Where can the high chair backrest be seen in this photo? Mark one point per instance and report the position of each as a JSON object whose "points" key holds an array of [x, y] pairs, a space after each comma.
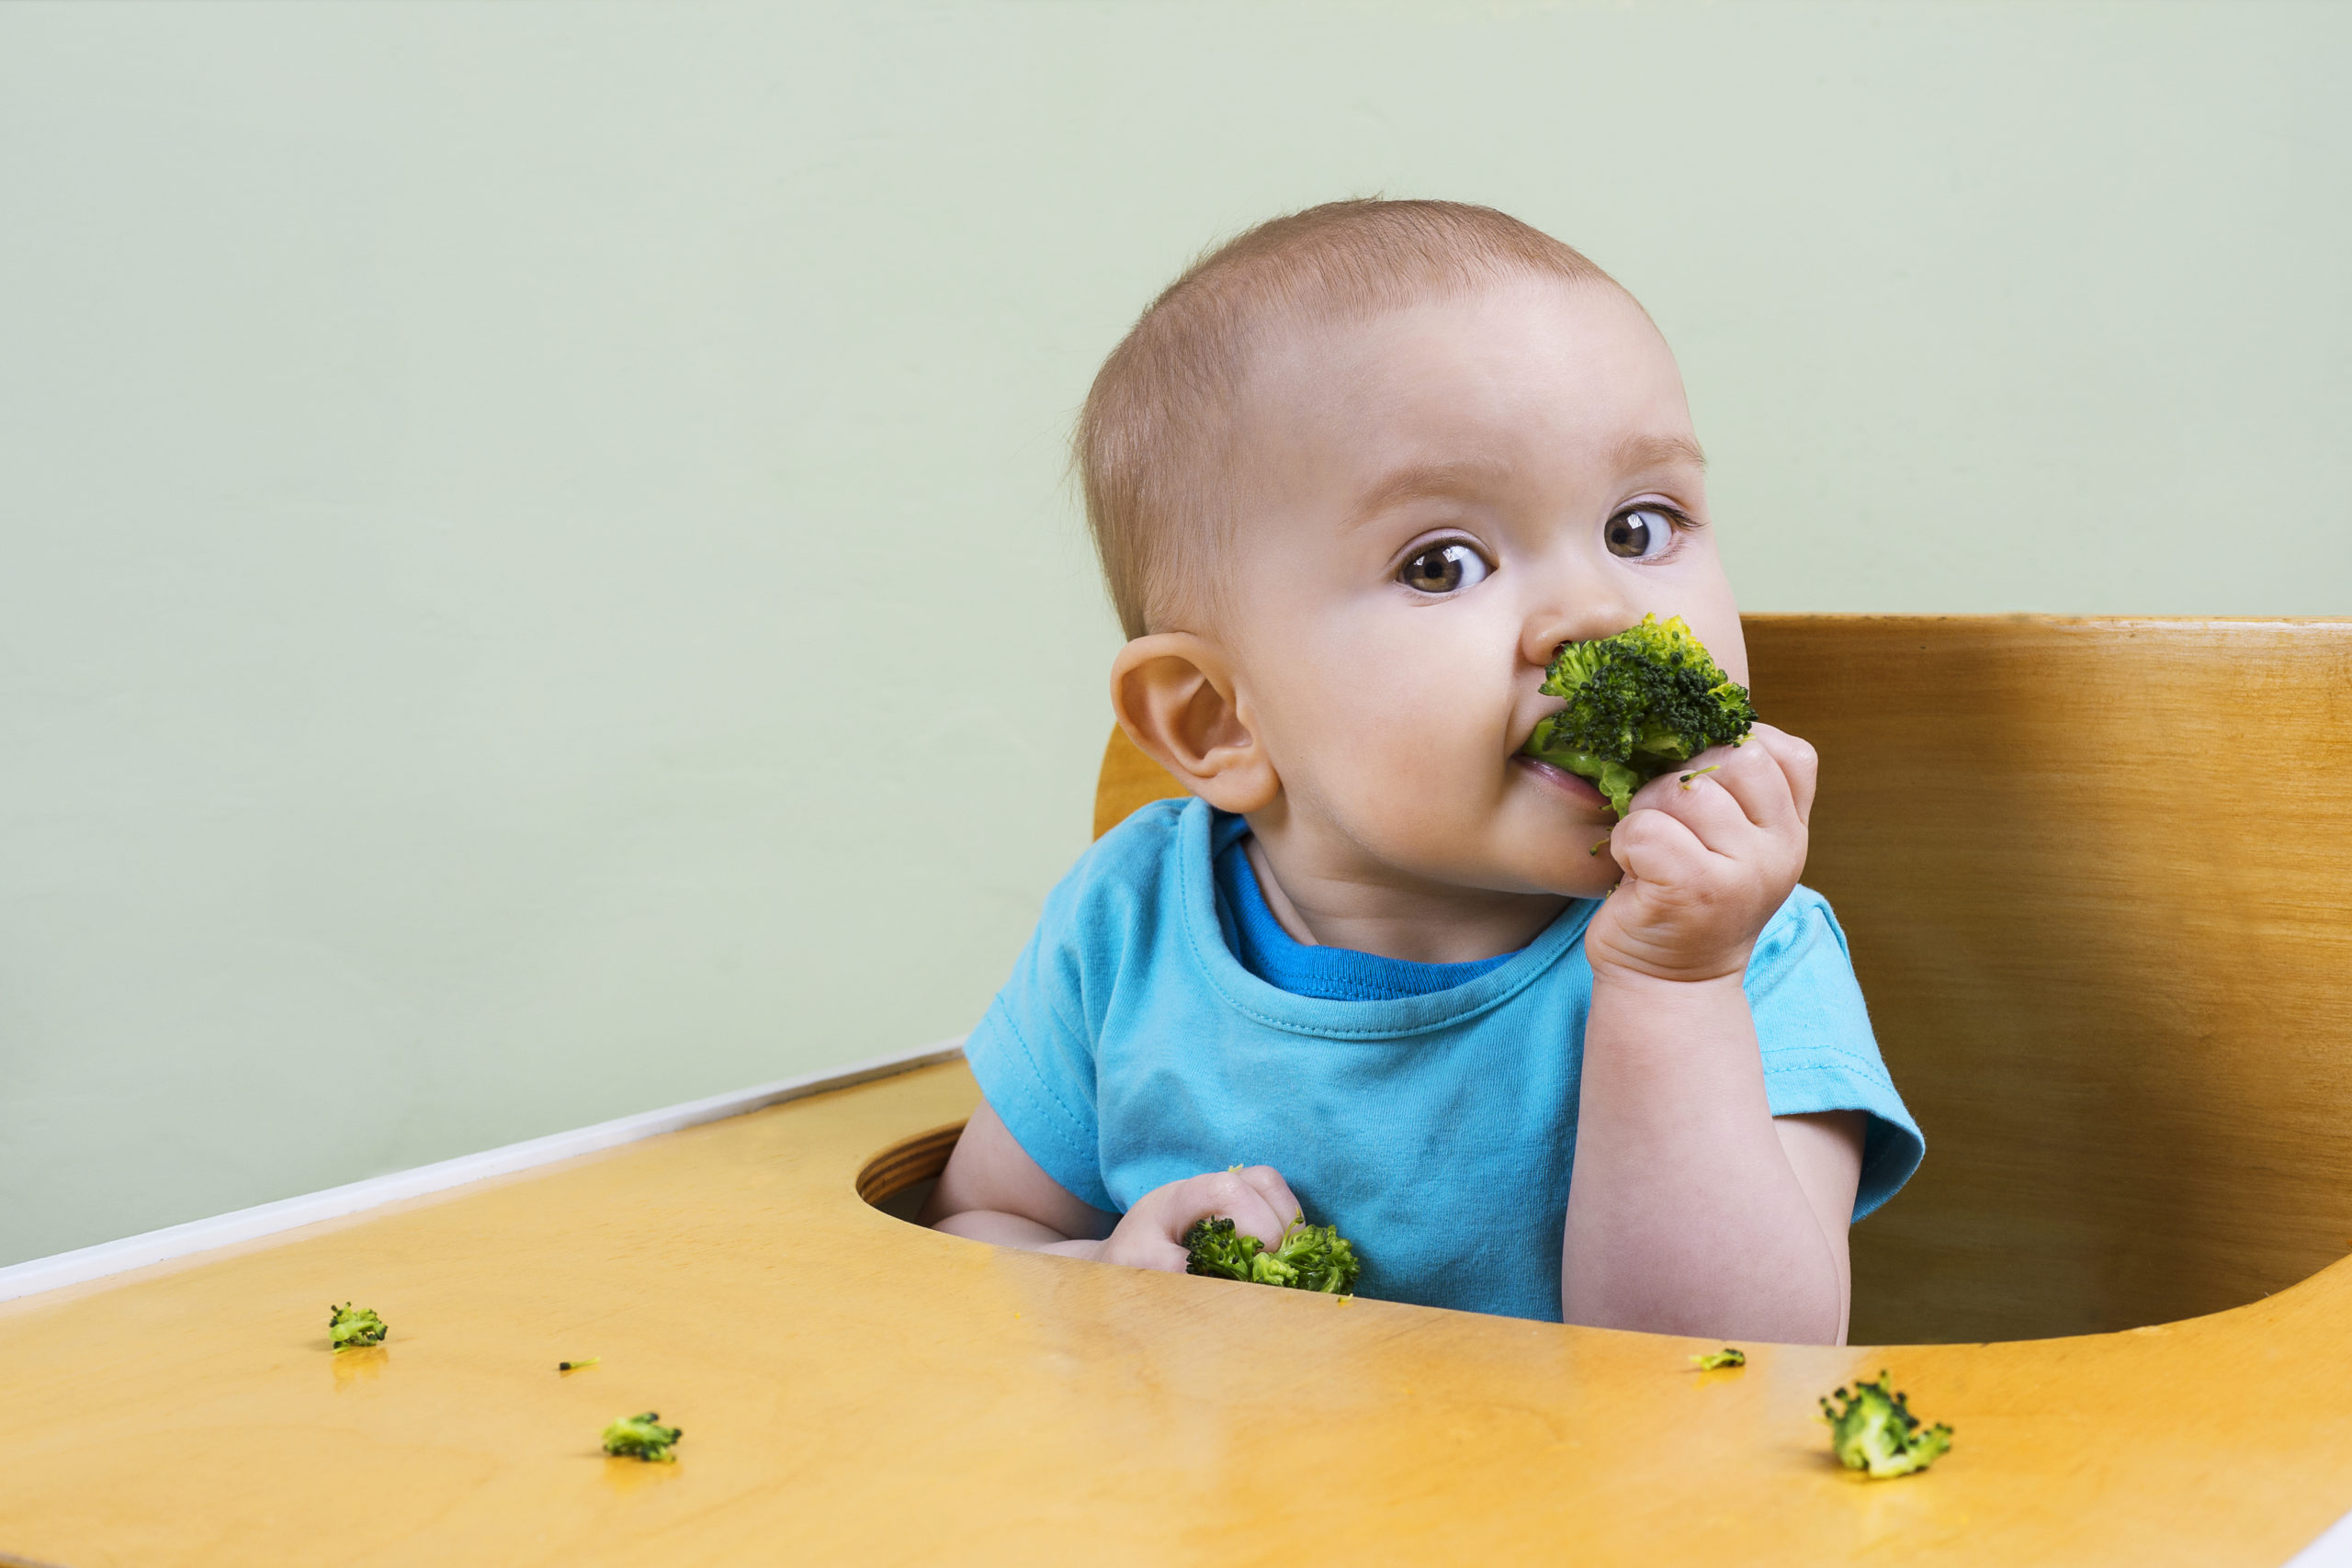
{"points": [[2097, 877]]}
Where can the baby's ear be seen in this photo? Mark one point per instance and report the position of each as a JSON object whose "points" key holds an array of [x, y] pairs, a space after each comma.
{"points": [[1175, 697]]}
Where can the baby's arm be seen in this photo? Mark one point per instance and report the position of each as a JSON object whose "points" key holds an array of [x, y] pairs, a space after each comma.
{"points": [[1690, 1208], [992, 1190]]}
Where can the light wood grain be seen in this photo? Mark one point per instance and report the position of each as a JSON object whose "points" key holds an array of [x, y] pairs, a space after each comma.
{"points": [[2098, 878]]}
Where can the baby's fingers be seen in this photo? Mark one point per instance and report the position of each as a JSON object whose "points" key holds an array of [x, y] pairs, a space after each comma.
{"points": [[1270, 1185], [1222, 1194], [1799, 763], [1658, 846], [1146, 1252]]}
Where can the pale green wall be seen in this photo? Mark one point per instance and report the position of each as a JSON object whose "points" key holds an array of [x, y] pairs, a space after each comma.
{"points": [[535, 575]]}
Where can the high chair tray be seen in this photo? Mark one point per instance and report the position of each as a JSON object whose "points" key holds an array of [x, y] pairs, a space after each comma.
{"points": [[855, 1390]]}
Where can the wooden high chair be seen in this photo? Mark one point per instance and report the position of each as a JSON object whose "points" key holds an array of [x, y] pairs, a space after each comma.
{"points": [[2098, 878]]}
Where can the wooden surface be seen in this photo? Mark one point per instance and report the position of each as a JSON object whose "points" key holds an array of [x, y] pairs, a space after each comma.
{"points": [[856, 1390], [2097, 875]]}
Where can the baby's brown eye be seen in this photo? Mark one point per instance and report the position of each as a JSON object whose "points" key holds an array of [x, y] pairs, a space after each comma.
{"points": [[1640, 533], [1444, 568]]}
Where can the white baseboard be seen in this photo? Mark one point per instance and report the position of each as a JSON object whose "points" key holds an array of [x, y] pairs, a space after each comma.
{"points": [[88, 1263]]}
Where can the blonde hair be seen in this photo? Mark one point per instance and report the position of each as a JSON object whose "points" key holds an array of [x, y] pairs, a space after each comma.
{"points": [[1157, 424]]}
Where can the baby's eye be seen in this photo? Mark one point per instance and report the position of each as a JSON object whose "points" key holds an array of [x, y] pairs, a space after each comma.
{"points": [[1640, 533], [1444, 568]]}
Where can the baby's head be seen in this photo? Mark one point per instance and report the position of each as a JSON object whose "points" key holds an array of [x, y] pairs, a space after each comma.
{"points": [[1353, 477]]}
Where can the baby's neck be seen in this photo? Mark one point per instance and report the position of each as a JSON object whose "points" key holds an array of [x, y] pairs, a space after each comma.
{"points": [[1323, 901]]}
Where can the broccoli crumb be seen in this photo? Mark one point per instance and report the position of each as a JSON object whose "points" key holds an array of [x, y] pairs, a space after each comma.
{"points": [[1715, 1360], [1638, 703], [349, 1329], [1311, 1257], [1698, 773], [643, 1436], [575, 1366], [1876, 1433]]}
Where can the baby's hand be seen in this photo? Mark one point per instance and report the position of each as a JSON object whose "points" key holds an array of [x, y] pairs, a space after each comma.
{"points": [[1151, 1234], [1706, 862]]}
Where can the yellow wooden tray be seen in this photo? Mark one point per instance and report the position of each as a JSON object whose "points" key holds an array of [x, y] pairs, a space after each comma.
{"points": [[2096, 875]]}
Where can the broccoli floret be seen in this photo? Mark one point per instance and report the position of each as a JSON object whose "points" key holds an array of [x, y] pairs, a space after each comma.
{"points": [[1639, 704], [643, 1436], [1876, 1433], [347, 1328], [1311, 1257], [1715, 1360]]}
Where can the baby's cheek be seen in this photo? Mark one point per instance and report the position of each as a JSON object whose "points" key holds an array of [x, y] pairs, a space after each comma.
{"points": [[1431, 759]]}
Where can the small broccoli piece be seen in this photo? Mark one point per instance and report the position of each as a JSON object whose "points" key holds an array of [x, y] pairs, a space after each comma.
{"points": [[1715, 1360], [1639, 704], [643, 1436], [578, 1365], [349, 1328], [1311, 1257], [1876, 1433]]}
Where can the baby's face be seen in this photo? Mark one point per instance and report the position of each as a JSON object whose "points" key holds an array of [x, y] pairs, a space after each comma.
{"points": [[1429, 504]]}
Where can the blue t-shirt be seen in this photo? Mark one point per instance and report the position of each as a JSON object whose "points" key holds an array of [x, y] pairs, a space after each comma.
{"points": [[1131, 1048]]}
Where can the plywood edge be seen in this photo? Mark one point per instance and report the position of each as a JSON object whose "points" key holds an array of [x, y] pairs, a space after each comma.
{"points": [[918, 1157], [85, 1264]]}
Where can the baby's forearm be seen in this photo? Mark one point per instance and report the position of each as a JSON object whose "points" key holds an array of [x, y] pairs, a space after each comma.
{"points": [[1685, 1216], [1015, 1230]]}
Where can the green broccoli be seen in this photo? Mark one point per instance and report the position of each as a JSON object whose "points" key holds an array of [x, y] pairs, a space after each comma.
{"points": [[349, 1328], [1716, 1360], [1639, 704], [1311, 1257], [1877, 1434], [643, 1436]]}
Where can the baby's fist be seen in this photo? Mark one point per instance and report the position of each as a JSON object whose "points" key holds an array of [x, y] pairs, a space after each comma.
{"points": [[1151, 1234], [1710, 852]]}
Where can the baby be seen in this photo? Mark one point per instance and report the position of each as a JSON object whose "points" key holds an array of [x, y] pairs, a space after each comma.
{"points": [[1354, 478]]}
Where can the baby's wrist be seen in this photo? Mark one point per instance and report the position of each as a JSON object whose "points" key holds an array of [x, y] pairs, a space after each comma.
{"points": [[1612, 963], [1668, 980], [1686, 1018]]}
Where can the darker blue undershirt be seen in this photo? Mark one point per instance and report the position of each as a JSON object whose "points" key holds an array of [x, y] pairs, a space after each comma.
{"points": [[1332, 974]]}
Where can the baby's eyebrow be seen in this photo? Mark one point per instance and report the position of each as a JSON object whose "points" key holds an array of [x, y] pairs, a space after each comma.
{"points": [[1658, 452], [1469, 476], [1417, 481]]}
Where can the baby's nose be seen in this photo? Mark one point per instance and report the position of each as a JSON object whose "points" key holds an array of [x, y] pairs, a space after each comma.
{"points": [[1579, 622]]}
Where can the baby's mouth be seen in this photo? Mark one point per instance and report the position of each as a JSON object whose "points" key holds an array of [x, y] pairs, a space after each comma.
{"points": [[1581, 790]]}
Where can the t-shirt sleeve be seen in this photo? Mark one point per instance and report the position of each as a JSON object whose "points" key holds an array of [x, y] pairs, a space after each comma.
{"points": [[1033, 1050], [1819, 1052]]}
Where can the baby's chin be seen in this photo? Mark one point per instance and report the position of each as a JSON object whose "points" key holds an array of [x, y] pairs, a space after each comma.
{"points": [[1556, 859], [1578, 873], [1553, 832]]}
